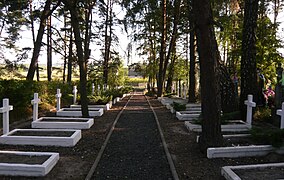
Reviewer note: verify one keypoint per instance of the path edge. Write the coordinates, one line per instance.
(169, 157)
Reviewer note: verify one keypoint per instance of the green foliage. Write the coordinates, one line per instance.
(134, 81)
(236, 115)
(93, 100)
(178, 106)
(151, 93)
(117, 92)
(274, 137)
(263, 114)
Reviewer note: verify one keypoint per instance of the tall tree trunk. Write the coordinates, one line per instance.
(33, 33)
(163, 49)
(65, 50)
(37, 45)
(70, 58)
(80, 53)
(171, 75)
(107, 43)
(49, 49)
(248, 59)
(174, 36)
(192, 67)
(209, 74)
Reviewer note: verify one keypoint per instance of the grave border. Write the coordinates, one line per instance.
(41, 140)
(229, 174)
(21, 169)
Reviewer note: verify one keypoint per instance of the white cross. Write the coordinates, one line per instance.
(93, 88)
(5, 110)
(75, 94)
(280, 112)
(250, 104)
(35, 103)
(58, 99)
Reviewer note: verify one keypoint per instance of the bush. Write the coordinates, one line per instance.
(179, 107)
(274, 137)
(263, 114)
(231, 116)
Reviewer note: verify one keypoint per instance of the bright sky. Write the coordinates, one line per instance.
(26, 41)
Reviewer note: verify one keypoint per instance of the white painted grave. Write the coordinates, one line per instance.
(35, 102)
(40, 140)
(229, 174)
(58, 122)
(106, 107)
(75, 94)
(62, 123)
(76, 112)
(5, 111)
(187, 115)
(22, 169)
(250, 104)
(11, 137)
(58, 99)
(93, 88)
(280, 112)
(192, 112)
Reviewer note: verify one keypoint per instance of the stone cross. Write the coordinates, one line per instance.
(58, 100)
(250, 104)
(280, 112)
(5, 111)
(75, 94)
(35, 103)
(93, 88)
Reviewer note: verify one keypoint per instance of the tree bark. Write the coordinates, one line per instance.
(80, 53)
(192, 67)
(49, 49)
(209, 74)
(248, 59)
(37, 45)
(163, 49)
(70, 58)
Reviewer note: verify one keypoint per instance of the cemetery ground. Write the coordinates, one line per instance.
(75, 162)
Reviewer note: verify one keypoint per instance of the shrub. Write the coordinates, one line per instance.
(178, 106)
(263, 114)
(274, 137)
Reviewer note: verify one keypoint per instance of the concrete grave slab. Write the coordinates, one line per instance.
(63, 123)
(42, 137)
(187, 115)
(229, 172)
(76, 112)
(106, 107)
(27, 169)
(234, 126)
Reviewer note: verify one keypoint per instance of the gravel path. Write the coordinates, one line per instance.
(135, 148)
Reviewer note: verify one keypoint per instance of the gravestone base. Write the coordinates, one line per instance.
(62, 123)
(39, 140)
(76, 112)
(28, 169)
(229, 171)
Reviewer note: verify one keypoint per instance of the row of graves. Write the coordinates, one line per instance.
(62, 130)
(234, 131)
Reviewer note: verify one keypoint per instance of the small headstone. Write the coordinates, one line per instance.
(35, 103)
(250, 104)
(93, 88)
(58, 100)
(280, 112)
(75, 94)
(5, 111)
